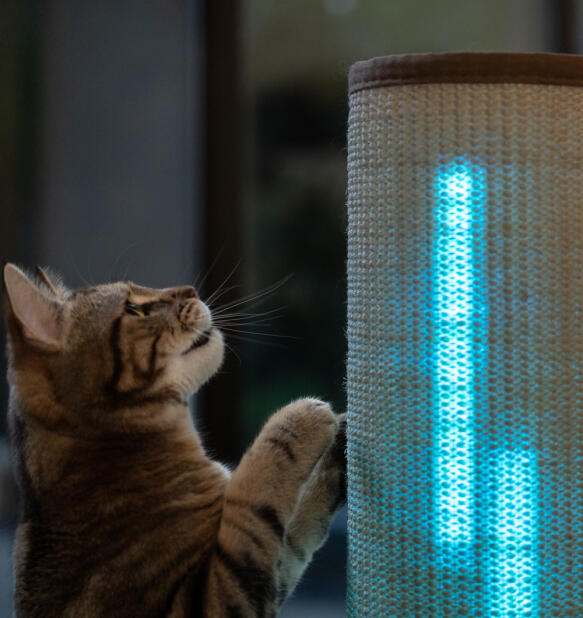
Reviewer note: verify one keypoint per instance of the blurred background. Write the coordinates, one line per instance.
(173, 141)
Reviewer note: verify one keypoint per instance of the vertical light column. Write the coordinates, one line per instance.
(513, 581)
(512, 566)
(460, 190)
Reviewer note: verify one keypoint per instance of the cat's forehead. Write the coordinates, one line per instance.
(139, 294)
(104, 291)
(118, 292)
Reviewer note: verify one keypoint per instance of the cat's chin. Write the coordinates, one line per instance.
(200, 361)
(199, 341)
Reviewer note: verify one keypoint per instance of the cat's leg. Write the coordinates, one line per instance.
(260, 501)
(323, 495)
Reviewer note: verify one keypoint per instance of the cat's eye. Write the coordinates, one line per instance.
(134, 310)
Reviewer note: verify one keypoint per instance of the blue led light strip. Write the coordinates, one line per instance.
(460, 188)
(513, 582)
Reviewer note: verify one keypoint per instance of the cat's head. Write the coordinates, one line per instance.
(111, 347)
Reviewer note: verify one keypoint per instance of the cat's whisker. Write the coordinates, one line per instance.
(84, 279)
(252, 298)
(232, 349)
(259, 333)
(271, 312)
(235, 323)
(214, 294)
(242, 328)
(214, 297)
(254, 340)
(198, 285)
(243, 321)
(113, 272)
(188, 267)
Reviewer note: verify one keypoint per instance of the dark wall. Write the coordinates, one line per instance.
(119, 184)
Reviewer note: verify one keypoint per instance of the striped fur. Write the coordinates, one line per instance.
(123, 513)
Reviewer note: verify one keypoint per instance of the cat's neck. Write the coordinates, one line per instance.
(59, 461)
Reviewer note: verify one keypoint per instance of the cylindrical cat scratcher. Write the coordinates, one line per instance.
(465, 330)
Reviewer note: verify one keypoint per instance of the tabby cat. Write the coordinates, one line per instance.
(123, 513)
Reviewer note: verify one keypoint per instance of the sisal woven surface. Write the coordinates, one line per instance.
(465, 350)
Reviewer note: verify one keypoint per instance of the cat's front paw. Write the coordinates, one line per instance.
(305, 429)
(310, 414)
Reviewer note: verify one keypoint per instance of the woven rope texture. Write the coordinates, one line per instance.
(465, 361)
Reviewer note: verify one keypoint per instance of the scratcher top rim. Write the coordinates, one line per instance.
(467, 67)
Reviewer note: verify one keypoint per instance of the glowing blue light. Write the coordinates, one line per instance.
(458, 183)
(513, 577)
(460, 190)
(512, 583)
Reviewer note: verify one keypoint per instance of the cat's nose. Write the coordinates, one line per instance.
(186, 291)
(182, 293)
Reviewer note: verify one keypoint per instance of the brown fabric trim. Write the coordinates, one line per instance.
(467, 67)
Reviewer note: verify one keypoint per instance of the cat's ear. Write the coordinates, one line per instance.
(41, 319)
